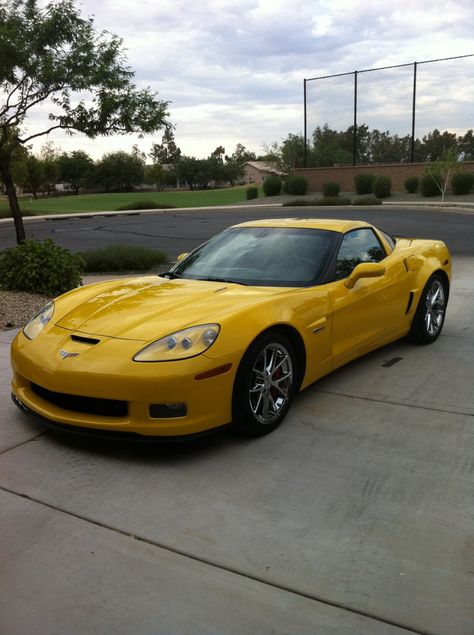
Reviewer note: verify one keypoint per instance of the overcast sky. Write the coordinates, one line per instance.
(233, 70)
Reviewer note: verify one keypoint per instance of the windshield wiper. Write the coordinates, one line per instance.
(169, 274)
(228, 280)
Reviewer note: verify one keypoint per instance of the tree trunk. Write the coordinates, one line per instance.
(13, 201)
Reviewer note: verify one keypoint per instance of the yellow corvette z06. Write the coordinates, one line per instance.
(231, 332)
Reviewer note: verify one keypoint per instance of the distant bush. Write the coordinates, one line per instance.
(325, 200)
(40, 267)
(462, 182)
(272, 185)
(428, 186)
(333, 200)
(133, 205)
(252, 192)
(116, 258)
(367, 200)
(299, 202)
(331, 189)
(382, 186)
(296, 184)
(412, 184)
(363, 183)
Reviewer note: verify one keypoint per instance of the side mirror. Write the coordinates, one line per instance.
(364, 270)
(181, 256)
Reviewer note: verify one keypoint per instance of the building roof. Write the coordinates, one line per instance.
(262, 166)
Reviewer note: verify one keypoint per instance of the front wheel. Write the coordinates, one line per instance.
(429, 317)
(264, 385)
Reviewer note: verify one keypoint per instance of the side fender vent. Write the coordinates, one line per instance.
(410, 302)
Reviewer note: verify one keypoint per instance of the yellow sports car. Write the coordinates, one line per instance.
(231, 332)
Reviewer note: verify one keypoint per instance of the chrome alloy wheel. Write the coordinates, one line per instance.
(271, 383)
(435, 306)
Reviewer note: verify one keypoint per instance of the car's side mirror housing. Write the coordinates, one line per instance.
(182, 256)
(364, 270)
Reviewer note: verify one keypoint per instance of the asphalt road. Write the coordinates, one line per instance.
(177, 231)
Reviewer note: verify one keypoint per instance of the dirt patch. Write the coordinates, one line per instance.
(17, 307)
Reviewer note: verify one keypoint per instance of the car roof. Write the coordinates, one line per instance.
(329, 224)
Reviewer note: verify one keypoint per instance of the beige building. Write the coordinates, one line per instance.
(257, 171)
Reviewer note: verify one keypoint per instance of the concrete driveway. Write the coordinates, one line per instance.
(355, 517)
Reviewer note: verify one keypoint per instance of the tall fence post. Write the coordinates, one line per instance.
(305, 127)
(354, 138)
(412, 148)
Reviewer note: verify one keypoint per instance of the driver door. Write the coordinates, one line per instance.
(374, 309)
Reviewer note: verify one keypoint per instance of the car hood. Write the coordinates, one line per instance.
(152, 307)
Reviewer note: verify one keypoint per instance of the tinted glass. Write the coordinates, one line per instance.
(264, 256)
(389, 240)
(360, 245)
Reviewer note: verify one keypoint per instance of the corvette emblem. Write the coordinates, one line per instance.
(64, 354)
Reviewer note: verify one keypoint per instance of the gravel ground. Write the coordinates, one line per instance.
(16, 308)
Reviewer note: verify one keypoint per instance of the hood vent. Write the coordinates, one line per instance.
(85, 340)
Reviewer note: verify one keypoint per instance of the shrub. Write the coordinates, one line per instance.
(382, 186)
(363, 183)
(331, 189)
(367, 200)
(299, 202)
(272, 185)
(333, 200)
(412, 184)
(296, 184)
(462, 182)
(36, 267)
(143, 205)
(252, 192)
(116, 258)
(428, 186)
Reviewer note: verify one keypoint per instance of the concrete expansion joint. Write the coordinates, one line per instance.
(217, 565)
(18, 445)
(392, 403)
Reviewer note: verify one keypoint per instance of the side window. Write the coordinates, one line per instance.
(360, 245)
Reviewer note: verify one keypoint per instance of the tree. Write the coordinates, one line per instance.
(51, 55)
(219, 153)
(155, 175)
(198, 173)
(466, 146)
(435, 145)
(76, 168)
(31, 176)
(441, 170)
(167, 152)
(50, 160)
(234, 165)
(119, 171)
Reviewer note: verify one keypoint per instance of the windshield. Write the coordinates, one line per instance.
(262, 256)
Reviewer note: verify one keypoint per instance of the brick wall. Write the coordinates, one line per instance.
(344, 175)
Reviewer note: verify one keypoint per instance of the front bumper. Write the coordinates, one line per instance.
(107, 372)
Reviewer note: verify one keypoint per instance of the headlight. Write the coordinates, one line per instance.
(39, 321)
(180, 345)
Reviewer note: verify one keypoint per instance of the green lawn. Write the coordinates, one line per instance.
(108, 202)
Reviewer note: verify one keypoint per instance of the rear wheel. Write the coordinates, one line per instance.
(264, 385)
(429, 317)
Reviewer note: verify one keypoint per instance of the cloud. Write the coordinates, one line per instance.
(234, 70)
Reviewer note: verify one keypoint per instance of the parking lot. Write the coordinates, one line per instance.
(354, 517)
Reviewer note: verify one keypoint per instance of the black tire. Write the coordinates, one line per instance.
(431, 311)
(264, 385)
